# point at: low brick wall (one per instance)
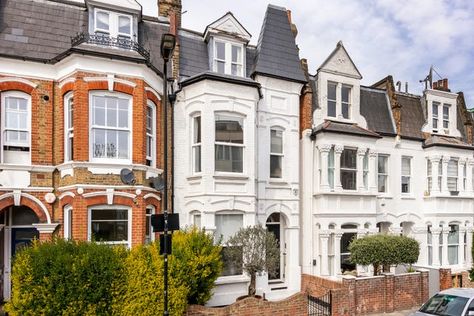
(379, 294)
(292, 306)
(447, 279)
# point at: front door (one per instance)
(22, 237)
(275, 229)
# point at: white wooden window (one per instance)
(382, 173)
(435, 107)
(197, 219)
(453, 244)
(366, 170)
(429, 242)
(110, 127)
(196, 145)
(229, 143)
(113, 24)
(69, 127)
(346, 101)
(349, 169)
(110, 225)
(332, 91)
(149, 235)
(446, 117)
(150, 134)
(331, 168)
(276, 153)
(228, 58)
(406, 175)
(67, 222)
(429, 174)
(453, 175)
(226, 226)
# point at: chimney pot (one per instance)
(288, 13)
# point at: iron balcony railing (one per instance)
(106, 40)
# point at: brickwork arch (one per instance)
(6, 200)
(17, 84)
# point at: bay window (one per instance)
(382, 173)
(109, 225)
(276, 153)
(453, 175)
(150, 134)
(228, 225)
(228, 58)
(110, 129)
(229, 143)
(69, 127)
(349, 169)
(406, 174)
(16, 125)
(196, 144)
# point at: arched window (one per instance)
(276, 153)
(67, 222)
(149, 235)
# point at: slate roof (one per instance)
(412, 117)
(277, 54)
(343, 128)
(375, 107)
(42, 31)
(193, 55)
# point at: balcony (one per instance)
(108, 41)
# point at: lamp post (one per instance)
(168, 42)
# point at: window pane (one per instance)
(221, 67)
(124, 24)
(348, 159)
(228, 158)
(236, 70)
(405, 184)
(236, 54)
(382, 183)
(220, 50)
(102, 20)
(345, 110)
(346, 94)
(435, 123)
(348, 179)
(227, 225)
(70, 113)
(22, 215)
(276, 142)
(123, 113)
(406, 166)
(382, 164)
(109, 214)
(111, 141)
(275, 166)
(99, 110)
(11, 120)
(332, 108)
(229, 129)
(98, 145)
(332, 91)
(197, 129)
(452, 175)
(197, 158)
(435, 109)
(110, 231)
(111, 112)
(446, 112)
(123, 144)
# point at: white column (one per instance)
(324, 237)
(444, 253)
(469, 246)
(324, 149)
(360, 168)
(434, 173)
(435, 231)
(372, 171)
(444, 179)
(337, 167)
(420, 236)
(337, 253)
(462, 232)
(461, 164)
(470, 163)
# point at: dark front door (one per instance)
(22, 237)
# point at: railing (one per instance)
(320, 306)
(106, 40)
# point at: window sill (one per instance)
(408, 197)
(347, 193)
(194, 177)
(230, 176)
(16, 167)
(276, 181)
(384, 196)
(67, 168)
(231, 279)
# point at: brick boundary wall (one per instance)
(447, 279)
(295, 305)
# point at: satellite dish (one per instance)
(157, 183)
(127, 176)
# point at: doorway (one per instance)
(275, 226)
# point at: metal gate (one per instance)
(319, 306)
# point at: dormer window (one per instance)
(446, 116)
(339, 100)
(113, 24)
(436, 109)
(228, 58)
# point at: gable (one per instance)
(227, 25)
(339, 62)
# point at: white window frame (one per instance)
(435, 104)
(224, 244)
(237, 116)
(194, 218)
(15, 94)
(429, 244)
(456, 161)
(195, 146)
(331, 100)
(113, 30)
(228, 57)
(386, 174)
(67, 222)
(408, 175)
(128, 242)
(68, 132)
(349, 169)
(276, 154)
(365, 170)
(129, 129)
(349, 102)
(446, 120)
(151, 159)
(149, 210)
(429, 175)
(454, 245)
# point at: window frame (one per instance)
(348, 103)
(402, 175)
(385, 175)
(151, 160)
(113, 30)
(68, 131)
(67, 222)
(196, 146)
(151, 237)
(276, 154)
(128, 160)
(237, 116)
(455, 160)
(446, 120)
(435, 118)
(331, 100)
(224, 243)
(228, 57)
(352, 170)
(98, 29)
(455, 245)
(128, 242)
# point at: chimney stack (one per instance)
(442, 85)
(172, 10)
(294, 30)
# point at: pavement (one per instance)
(399, 313)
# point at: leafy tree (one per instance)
(258, 251)
(379, 250)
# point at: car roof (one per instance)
(463, 292)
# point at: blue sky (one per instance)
(402, 38)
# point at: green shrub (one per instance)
(142, 290)
(198, 263)
(65, 278)
(382, 249)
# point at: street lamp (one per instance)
(168, 42)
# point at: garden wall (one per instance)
(447, 279)
(292, 306)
